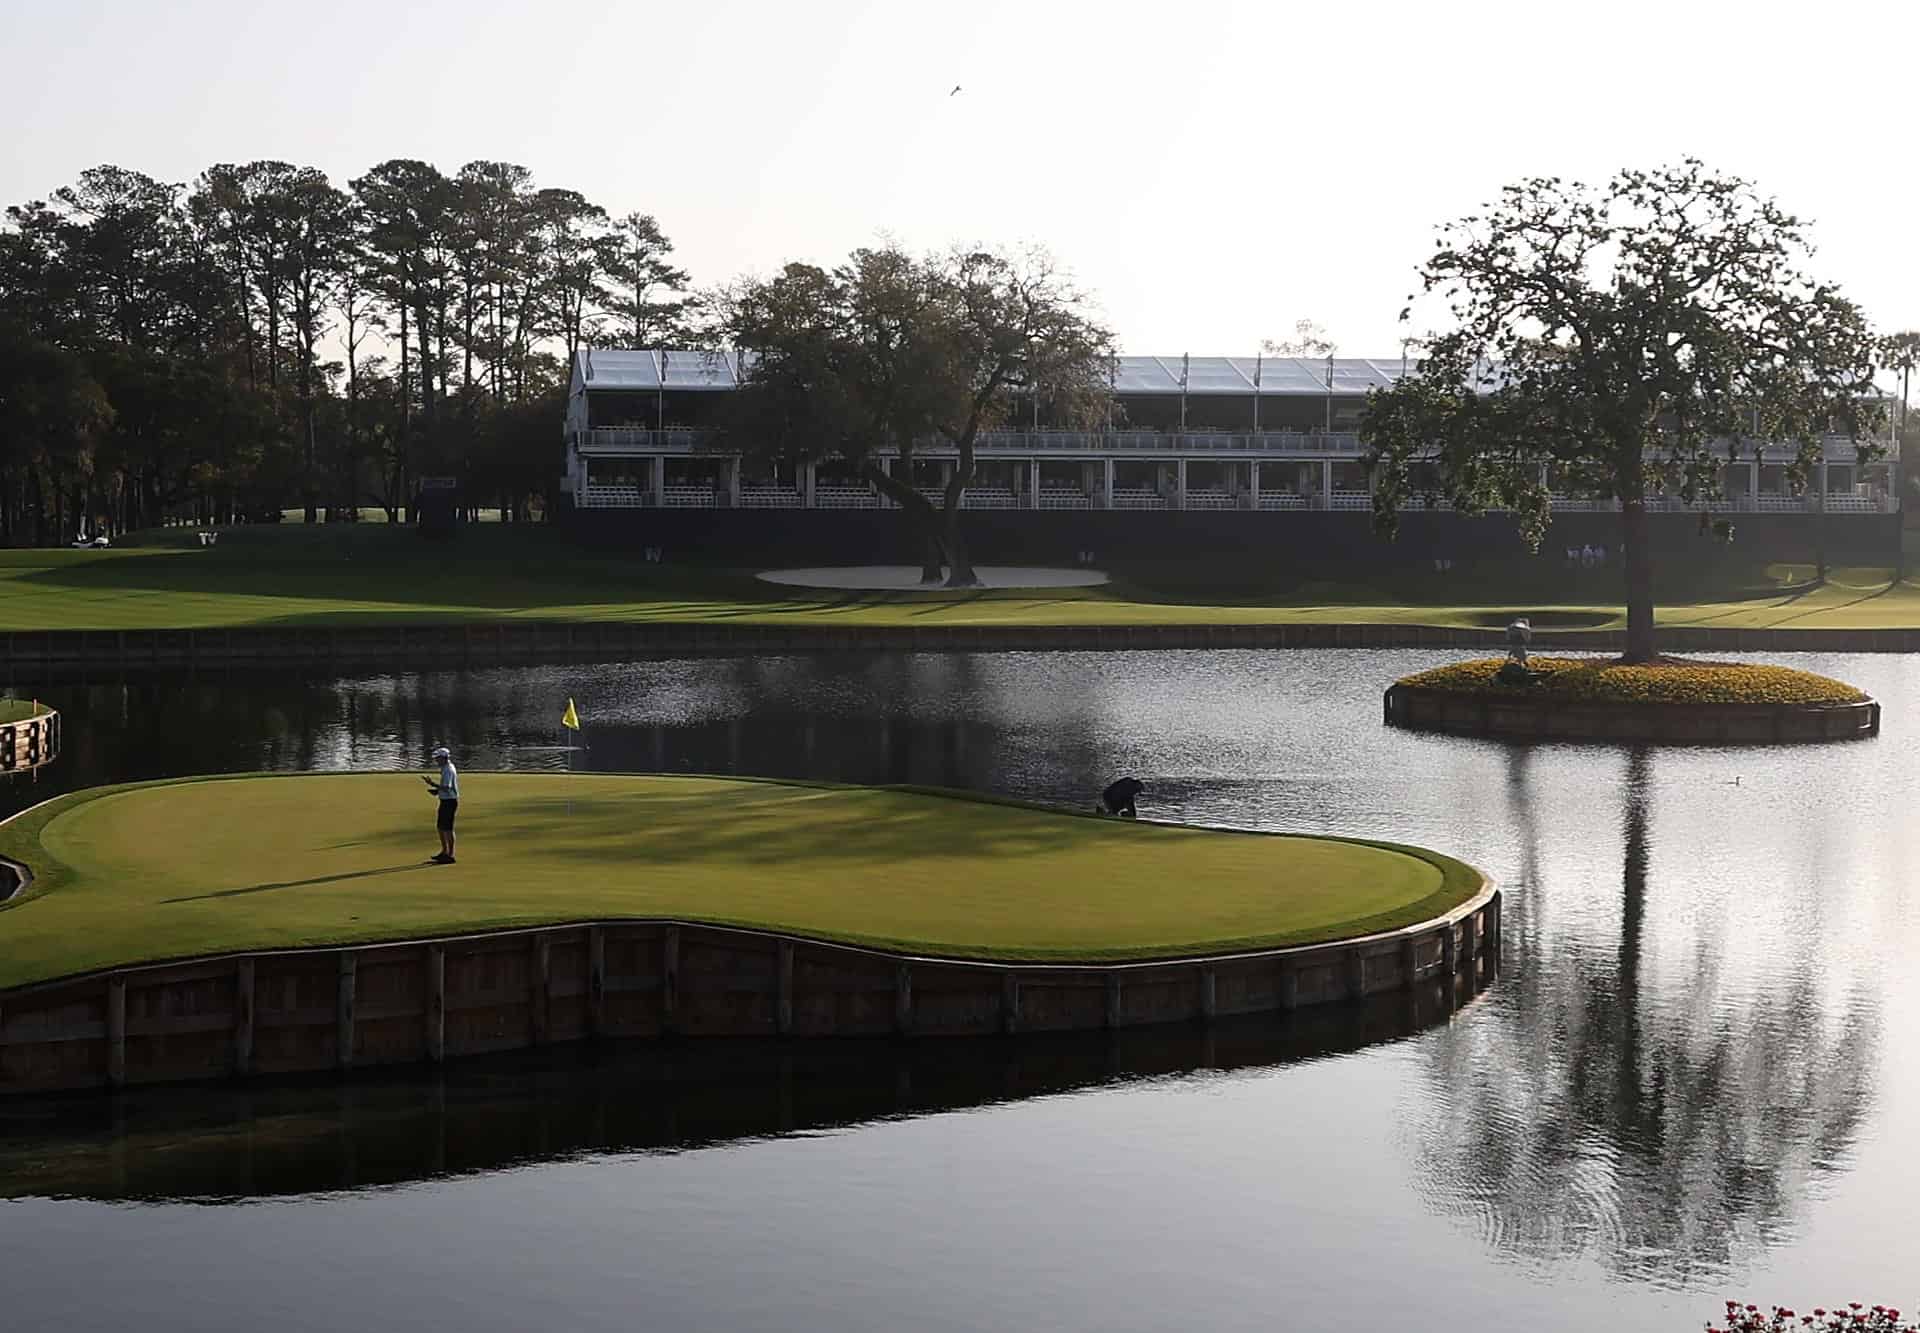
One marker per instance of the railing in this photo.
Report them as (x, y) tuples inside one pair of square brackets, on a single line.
[(609, 440), (689, 497), (768, 497), (1844, 502), (604, 496), (611, 497), (845, 497), (685, 440), (631, 440), (1025, 443)]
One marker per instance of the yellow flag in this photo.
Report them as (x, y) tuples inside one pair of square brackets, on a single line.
[(570, 720)]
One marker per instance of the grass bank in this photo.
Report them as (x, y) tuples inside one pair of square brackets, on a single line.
[(359, 574), (177, 869)]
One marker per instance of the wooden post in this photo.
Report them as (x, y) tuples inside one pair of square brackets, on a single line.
[(349, 980), (670, 979), (540, 987), (436, 1002), (1289, 985), (596, 980), (1409, 961), (116, 1031), (1009, 1001), (1450, 951), (1209, 1002), (243, 977), (903, 999), (1113, 999), (783, 990), (1470, 944), (1493, 928), (1356, 973)]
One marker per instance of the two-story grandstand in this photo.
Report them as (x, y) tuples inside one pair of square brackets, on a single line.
[(1270, 440)]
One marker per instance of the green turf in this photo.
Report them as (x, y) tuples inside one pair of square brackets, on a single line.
[(18, 710), (175, 869), (376, 573)]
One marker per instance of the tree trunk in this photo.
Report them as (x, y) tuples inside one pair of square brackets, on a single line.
[(960, 573), (1820, 529), (921, 514), (37, 503), (397, 486), (933, 562), (1639, 576)]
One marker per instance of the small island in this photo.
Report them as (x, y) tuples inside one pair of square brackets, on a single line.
[(1668, 700), (203, 927)]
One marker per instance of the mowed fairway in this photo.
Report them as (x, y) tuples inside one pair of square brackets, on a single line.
[(373, 574), (175, 869)]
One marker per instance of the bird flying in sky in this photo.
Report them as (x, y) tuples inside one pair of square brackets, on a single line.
[(956, 88)]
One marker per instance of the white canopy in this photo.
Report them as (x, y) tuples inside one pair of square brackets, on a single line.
[(615, 368)]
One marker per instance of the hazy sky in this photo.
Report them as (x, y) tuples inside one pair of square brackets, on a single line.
[(1213, 171)]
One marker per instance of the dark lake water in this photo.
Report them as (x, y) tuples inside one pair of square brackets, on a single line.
[(1696, 1077)]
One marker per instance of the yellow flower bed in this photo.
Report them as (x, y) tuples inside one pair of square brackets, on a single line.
[(1604, 680)]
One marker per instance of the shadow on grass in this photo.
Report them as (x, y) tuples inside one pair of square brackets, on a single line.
[(298, 883), (1838, 606)]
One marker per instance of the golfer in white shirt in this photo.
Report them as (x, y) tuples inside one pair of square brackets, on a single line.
[(448, 790)]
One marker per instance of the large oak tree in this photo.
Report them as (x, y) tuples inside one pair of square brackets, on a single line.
[(1633, 337), (891, 352)]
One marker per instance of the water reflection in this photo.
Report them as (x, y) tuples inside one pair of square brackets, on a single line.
[(223, 1142), (1664, 1122)]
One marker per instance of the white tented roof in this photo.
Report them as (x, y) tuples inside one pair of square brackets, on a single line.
[(615, 368), (1276, 375)]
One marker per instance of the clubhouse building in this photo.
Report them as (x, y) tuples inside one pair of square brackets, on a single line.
[(1185, 433)]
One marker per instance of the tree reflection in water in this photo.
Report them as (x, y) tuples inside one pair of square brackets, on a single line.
[(1660, 1123)]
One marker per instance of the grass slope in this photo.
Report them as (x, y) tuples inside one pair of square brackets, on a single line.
[(172, 869), (360, 574)]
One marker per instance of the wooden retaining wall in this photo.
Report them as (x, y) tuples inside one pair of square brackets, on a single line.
[(28, 744), (300, 1011), (1517, 718), (25, 654)]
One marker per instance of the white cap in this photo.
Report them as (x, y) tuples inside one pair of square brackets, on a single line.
[(442, 752)]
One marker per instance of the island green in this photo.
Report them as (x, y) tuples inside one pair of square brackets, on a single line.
[(204, 866)]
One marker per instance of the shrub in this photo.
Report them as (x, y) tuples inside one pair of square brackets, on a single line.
[(1854, 1318), (1606, 680)]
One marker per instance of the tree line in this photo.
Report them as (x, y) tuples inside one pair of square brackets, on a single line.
[(261, 338)]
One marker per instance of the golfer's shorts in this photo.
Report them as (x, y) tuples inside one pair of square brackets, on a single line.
[(447, 808)]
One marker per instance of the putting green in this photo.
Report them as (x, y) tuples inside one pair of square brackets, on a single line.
[(177, 869)]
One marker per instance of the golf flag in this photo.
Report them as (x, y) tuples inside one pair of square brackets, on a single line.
[(570, 719)]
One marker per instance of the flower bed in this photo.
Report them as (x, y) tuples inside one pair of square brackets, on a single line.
[(1604, 680), (1599, 699)]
